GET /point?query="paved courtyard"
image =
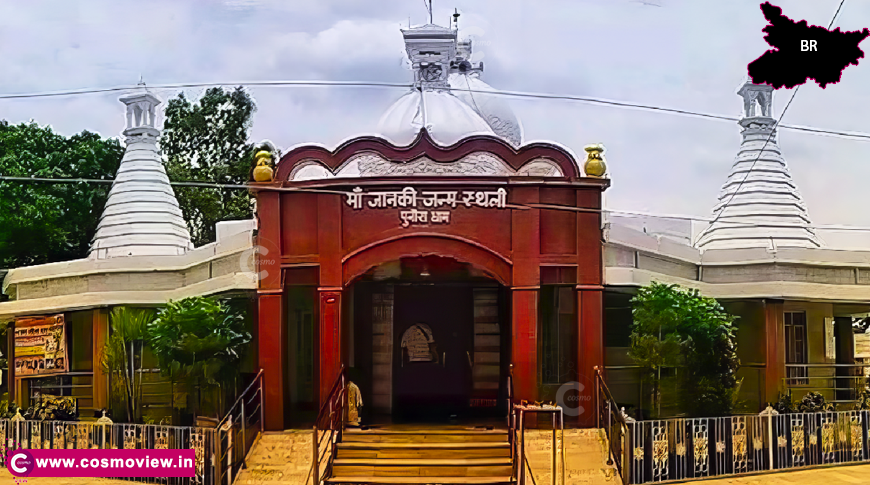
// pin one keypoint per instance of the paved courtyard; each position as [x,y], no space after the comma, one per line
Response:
[827,476]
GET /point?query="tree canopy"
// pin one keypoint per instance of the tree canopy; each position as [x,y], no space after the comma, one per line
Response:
[678,328]
[207,141]
[44,222]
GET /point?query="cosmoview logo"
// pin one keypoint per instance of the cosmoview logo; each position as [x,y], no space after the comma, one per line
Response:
[249,257]
[21,463]
[571,403]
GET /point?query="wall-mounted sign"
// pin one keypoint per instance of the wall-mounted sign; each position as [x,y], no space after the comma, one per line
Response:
[414,201]
[40,346]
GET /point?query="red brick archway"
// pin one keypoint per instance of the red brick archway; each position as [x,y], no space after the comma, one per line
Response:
[549,232]
[421,244]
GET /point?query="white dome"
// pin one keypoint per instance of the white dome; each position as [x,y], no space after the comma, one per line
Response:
[446,117]
[492,108]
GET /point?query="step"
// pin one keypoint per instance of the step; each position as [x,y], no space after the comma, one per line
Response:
[429,445]
[422,462]
[424,450]
[423,480]
[424,436]
[408,471]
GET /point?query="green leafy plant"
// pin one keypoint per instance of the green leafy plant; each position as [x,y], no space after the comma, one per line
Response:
[785,403]
[674,327]
[52,409]
[199,341]
[207,141]
[814,402]
[122,355]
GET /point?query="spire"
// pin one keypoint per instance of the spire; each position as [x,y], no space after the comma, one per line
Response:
[141,217]
[759,205]
[430,49]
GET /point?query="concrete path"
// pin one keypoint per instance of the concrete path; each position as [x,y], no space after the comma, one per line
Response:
[825,476]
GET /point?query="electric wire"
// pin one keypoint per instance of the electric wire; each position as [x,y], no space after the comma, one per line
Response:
[496,92]
[628,213]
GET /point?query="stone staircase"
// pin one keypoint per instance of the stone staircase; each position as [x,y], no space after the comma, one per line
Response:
[420,455]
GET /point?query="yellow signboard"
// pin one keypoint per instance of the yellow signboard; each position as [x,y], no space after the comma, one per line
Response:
[40,346]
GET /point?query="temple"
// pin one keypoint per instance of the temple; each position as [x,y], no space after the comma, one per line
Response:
[450,269]
[423,257]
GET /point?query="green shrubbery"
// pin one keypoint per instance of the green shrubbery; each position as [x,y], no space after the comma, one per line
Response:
[678,328]
[198,343]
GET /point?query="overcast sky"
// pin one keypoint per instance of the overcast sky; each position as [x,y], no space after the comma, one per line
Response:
[687,54]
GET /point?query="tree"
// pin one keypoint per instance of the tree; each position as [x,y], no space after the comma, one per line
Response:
[42,222]
[207,141]
[676,327]
[199,341]
[122,355]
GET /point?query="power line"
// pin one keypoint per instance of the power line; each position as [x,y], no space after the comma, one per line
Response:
[515,94]
[769,136]
[76,92]
[629,213]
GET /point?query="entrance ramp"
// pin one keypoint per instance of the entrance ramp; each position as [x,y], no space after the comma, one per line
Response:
[278,458]
[423,455]
[585,454]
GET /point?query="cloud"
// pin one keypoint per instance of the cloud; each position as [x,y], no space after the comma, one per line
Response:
[685,54]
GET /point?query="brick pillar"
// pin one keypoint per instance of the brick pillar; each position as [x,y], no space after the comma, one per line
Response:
[329,239]
[271,325]
[330,339]
[590,302]
[526,242]
[100,379]
[774,335]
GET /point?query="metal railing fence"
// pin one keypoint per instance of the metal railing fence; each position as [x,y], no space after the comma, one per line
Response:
[691,448]
[56,435]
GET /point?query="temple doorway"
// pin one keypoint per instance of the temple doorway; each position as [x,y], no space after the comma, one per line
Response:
[431,342]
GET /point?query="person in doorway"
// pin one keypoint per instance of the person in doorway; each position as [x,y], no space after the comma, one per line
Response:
[354,403]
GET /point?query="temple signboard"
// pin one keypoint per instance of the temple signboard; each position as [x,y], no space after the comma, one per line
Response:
[40,346]
[416,205]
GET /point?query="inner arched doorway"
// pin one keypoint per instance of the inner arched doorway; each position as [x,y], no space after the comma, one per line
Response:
[428,340]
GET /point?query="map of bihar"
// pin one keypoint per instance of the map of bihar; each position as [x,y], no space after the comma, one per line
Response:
[800,52]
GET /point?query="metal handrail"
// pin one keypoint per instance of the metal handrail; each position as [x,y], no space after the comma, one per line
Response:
[614,414]
[336,403]
[237,415]
[331,392]
[511,422]
[230,412]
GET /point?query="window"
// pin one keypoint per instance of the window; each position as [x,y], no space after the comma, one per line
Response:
[558,337]
[796,348]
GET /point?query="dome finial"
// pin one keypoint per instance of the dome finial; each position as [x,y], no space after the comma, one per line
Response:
[594,165]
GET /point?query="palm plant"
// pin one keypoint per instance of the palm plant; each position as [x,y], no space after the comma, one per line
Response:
[119,356]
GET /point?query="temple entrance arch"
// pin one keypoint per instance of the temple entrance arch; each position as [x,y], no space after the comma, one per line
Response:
[429,339]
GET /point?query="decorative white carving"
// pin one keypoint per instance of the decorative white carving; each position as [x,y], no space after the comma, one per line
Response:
[478,163]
